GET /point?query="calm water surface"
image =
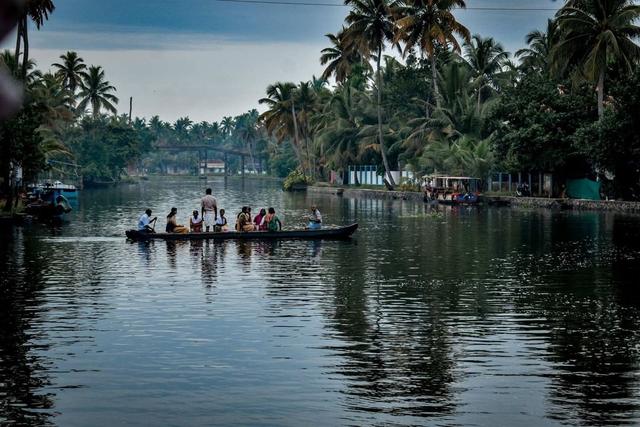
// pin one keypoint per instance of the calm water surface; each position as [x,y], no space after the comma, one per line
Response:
[427,317]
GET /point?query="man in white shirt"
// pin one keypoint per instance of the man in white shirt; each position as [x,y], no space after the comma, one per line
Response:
[209,209]
[145,220]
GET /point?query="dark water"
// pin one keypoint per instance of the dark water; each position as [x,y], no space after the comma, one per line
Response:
[450,317]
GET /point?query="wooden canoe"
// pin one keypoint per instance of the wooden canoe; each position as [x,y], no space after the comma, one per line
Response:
[323,233]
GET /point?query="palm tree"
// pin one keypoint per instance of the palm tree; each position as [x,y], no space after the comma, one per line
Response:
[227,125]
[38,11]
[280,118]
[595,33]
[339,58]
[72,70]
[338,128]
[486,58]
[430,24]
[246,128]
[370,26]
[97,92]
[537,55]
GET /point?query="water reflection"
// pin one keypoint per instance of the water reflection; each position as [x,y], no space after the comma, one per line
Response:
[23,373]
[431,315]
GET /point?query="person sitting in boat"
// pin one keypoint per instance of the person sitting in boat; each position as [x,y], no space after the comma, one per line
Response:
[258,220]
[144,222]
[244,220]
[221,222]
[315,219]
[62,205]
[195,223]
[271,222]
[172,224]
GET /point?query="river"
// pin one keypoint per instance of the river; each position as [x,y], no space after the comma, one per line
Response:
[450,316]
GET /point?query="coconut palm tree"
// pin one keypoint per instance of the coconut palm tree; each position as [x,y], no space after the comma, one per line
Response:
[38,11]
[72,70]
[280,119]
[595,33]
[337,128]
[371,26]
[429,25]
[97,92]
[227,125]
[537,55]
[486,59]
[339,58]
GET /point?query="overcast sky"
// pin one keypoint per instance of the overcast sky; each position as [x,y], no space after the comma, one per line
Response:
[208,58]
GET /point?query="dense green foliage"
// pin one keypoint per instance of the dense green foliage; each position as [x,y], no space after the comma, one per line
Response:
[454,103]
[457,104]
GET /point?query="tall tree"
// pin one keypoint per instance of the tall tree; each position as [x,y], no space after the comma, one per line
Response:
[537,56]
[371,25]
[72,70]
[430,24]
[280,118]
[227,125]
[486,58]
[339,58]
[38,11]
[97,92]
[595,33]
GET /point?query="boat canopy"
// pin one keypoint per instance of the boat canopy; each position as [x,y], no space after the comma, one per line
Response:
[468,183]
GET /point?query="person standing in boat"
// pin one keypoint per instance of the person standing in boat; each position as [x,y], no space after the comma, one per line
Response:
[315,219]
[144,222]
[172,223]
[209,209]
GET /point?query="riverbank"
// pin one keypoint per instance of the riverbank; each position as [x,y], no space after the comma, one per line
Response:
[520,202]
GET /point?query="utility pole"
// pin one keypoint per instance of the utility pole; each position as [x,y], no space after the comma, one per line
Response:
[130,107]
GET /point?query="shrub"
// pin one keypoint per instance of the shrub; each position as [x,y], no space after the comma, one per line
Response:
[296,179]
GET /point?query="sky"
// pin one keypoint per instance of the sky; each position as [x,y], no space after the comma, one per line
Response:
[210,58]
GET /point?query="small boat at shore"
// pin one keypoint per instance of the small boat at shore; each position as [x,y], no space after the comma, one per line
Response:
[323,233]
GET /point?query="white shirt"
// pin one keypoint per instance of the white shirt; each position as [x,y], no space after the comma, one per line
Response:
[208,203]
[143,221]
[317,215]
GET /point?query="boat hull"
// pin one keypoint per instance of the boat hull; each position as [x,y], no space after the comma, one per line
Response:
[324,233]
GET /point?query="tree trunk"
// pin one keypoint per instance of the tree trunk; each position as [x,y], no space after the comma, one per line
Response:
[295,136]
[383,150]
[600,90]
[434,77]
[18,38]
[25,41]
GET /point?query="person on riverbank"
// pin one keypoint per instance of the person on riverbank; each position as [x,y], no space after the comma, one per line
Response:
[221,223]
[271,222]
[195,222]
[209,209]
[172,223]
[144,222]
[315,219]
[258,220]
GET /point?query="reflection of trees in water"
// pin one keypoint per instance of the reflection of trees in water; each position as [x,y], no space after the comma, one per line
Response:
[22,371]
[577,290]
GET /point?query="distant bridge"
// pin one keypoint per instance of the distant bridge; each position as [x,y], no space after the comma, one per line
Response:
[203,151]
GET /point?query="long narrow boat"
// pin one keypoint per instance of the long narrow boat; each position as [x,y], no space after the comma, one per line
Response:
[323,233]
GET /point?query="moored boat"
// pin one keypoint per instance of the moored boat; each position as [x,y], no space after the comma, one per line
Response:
[323,233]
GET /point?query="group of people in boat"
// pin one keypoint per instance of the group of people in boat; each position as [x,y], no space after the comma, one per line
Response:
[211,219]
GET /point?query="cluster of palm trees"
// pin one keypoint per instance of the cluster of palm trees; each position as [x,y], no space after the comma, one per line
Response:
[434,119]
[244,132]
